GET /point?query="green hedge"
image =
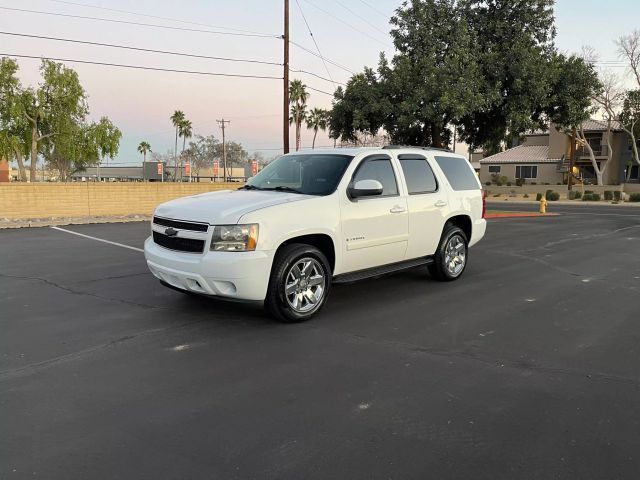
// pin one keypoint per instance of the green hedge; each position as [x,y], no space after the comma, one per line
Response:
[634,197]
[591,197]
[608,195]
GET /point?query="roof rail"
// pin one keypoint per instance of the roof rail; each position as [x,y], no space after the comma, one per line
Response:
[396,147]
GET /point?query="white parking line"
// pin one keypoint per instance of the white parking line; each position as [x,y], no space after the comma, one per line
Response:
[98,239]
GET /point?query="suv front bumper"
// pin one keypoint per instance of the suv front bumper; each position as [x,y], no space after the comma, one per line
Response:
[237,275]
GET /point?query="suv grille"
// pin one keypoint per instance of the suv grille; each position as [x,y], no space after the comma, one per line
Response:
[194,227]
[189,245]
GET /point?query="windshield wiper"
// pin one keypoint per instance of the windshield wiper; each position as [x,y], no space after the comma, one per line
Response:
[282,188]
[249,187]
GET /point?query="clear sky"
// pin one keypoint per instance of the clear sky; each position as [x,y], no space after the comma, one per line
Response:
[349,32]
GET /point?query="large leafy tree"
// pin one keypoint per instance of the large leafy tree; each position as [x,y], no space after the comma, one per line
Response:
[54,108]
[514,49]
[14,129]
[202,152]
[630,121]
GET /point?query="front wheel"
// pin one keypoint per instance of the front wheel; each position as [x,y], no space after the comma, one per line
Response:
[299,284]
[450,259]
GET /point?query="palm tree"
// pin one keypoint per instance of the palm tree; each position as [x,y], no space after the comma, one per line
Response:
[143,148]
[185,130]
[298,97]
[317,120]
[176,119]
[298,115]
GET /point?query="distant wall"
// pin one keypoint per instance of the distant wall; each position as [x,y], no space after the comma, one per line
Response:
[43,200]
[531,190]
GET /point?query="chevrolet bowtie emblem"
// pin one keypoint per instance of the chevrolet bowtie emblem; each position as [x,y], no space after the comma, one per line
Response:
[171,232]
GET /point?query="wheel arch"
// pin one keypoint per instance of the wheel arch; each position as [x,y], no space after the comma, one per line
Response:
[321,241]
[463,222]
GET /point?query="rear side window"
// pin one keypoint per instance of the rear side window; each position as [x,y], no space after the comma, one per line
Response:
[418,174]
[380,169]
[459,173]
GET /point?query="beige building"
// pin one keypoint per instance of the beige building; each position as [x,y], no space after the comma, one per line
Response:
[542,158]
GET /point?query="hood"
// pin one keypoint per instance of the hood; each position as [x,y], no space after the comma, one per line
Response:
[223,206]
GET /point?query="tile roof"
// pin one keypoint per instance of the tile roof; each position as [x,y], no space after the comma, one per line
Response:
[522,154]
[592,125]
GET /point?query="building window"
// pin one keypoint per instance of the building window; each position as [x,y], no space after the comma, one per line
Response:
[494,168]
[526,171]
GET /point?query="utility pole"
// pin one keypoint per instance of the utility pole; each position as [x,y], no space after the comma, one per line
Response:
[285,98]
[222,124]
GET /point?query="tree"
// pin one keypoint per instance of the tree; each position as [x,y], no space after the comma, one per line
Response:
[630,122]
[317,120]
[629,49]
[143,148]
[202,152]
[176,119]
[54,108]
[14,129]
[513,48]
[185,130]
[298,97]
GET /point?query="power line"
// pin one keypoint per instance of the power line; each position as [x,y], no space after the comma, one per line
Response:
[317,76]
[357,15]
[153,25]
[140,49]
[301,47]
[77,4]
[314,41]
[371,7]
[347,24]
[320,91]
[141,67]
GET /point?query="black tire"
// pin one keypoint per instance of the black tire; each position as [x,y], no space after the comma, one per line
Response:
[277,303]
[439,269]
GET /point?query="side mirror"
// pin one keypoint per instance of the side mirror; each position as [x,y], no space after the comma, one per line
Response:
[365,188]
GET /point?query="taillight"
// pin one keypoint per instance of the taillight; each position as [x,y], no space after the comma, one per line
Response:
[484,202]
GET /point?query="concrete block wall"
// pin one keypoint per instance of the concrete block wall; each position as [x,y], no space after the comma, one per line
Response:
[44,200]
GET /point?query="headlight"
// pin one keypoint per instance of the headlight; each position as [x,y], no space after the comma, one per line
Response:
[235,238]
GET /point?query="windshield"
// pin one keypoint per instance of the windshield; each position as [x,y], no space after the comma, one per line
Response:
[310,174]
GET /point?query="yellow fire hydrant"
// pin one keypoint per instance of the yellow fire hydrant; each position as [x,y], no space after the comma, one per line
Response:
[543,205]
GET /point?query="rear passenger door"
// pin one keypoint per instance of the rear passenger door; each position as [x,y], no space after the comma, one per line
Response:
[427,204]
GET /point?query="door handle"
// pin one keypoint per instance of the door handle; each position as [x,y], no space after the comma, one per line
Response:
[440,203]
[397,209]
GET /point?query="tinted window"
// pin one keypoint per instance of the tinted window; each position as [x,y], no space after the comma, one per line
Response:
[311,174]
[494,168]
[459,173]
[380,169]
[418,174]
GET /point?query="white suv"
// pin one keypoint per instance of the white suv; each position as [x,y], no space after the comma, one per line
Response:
[311,219]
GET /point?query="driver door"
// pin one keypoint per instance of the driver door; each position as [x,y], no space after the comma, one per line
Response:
[375,229]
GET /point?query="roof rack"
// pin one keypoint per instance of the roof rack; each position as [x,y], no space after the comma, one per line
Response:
[396,147]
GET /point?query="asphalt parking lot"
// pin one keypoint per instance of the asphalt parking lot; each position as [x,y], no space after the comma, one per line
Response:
[527,368]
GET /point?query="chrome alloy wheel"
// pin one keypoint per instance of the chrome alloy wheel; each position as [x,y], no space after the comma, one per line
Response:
[305,285]
[455,255]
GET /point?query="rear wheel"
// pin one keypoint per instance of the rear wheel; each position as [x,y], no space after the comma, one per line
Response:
[299,284]
[450,259]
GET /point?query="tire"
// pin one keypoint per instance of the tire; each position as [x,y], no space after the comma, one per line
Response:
[292,290]
[445,268]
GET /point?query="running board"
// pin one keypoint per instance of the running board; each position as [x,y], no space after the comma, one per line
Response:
[382,270]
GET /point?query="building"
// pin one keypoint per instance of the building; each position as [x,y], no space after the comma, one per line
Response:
[542,157]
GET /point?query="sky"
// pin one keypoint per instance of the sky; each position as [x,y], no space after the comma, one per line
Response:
[350,33]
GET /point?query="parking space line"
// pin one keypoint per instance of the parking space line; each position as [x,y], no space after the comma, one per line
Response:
[98,239]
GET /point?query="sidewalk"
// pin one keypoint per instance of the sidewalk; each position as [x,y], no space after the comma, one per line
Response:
[607,203]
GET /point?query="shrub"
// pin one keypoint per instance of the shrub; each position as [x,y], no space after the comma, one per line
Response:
[508,184]
[546,194]
[526,195]
[553,196]
[534,183]
[617,195]
[608,195]
[588,192]
[575,195]
[596,197]
[497,195]
[487,183]
[587,197]
[538,197]
[634,197]
[520,182]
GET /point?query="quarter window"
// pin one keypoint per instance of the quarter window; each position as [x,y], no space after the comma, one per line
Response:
[418,174]
[459,173]
[526,171]
[380,169]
